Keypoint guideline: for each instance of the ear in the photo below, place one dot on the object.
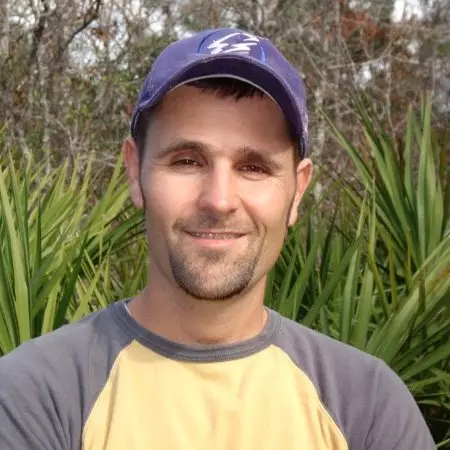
(304, 174)
(132, 165)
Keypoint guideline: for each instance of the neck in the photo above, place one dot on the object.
(172, 314)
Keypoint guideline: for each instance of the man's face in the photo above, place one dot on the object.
(219, 186)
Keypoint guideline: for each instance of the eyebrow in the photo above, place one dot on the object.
(180, 145)
(255, 155)
(246, 152)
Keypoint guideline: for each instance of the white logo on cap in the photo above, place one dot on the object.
(244, 47)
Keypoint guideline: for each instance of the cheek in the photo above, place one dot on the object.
(272, 218)
(270, 208)
(271, 200)
(166, 201)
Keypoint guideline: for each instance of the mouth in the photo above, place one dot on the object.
(215, 235)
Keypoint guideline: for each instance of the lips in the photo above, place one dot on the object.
(214, 235)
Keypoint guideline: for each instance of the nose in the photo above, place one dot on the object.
(218, 192)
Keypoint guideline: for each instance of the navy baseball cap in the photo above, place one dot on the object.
(233, 53)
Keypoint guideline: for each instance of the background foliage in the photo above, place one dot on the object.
(70, 70)
(369, 261)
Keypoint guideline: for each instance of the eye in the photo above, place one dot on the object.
(185, 162)
(253, 168)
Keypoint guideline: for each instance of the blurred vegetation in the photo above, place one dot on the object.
(70, 70)
(375, 273)
(63, 255)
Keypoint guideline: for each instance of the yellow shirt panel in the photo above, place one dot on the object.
(263, 401)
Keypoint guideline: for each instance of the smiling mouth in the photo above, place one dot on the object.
(215, 235)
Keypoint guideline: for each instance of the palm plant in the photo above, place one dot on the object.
(381, 283)
(57, 247)
(406, 320)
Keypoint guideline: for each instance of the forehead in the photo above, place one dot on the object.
(225, 121)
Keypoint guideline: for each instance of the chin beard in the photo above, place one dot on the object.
(202, 281)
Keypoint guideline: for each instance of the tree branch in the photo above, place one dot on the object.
(92, 14)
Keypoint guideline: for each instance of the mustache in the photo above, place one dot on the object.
(209, 222)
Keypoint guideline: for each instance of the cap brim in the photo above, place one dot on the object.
(239, 67)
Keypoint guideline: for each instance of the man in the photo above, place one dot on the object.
(217, 158)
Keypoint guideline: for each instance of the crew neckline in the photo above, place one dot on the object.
(195, 352)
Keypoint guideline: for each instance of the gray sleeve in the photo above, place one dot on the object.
(397, 423)
(49, 384)
(367, 400)
(32, 415)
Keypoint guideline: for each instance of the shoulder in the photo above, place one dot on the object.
(321, 356)
(71, 361)
(361, 392)
(65, 347)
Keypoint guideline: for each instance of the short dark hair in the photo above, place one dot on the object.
(223, 87)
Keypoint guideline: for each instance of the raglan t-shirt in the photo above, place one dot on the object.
(107, 383)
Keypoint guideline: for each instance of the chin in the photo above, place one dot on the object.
(213, 295)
